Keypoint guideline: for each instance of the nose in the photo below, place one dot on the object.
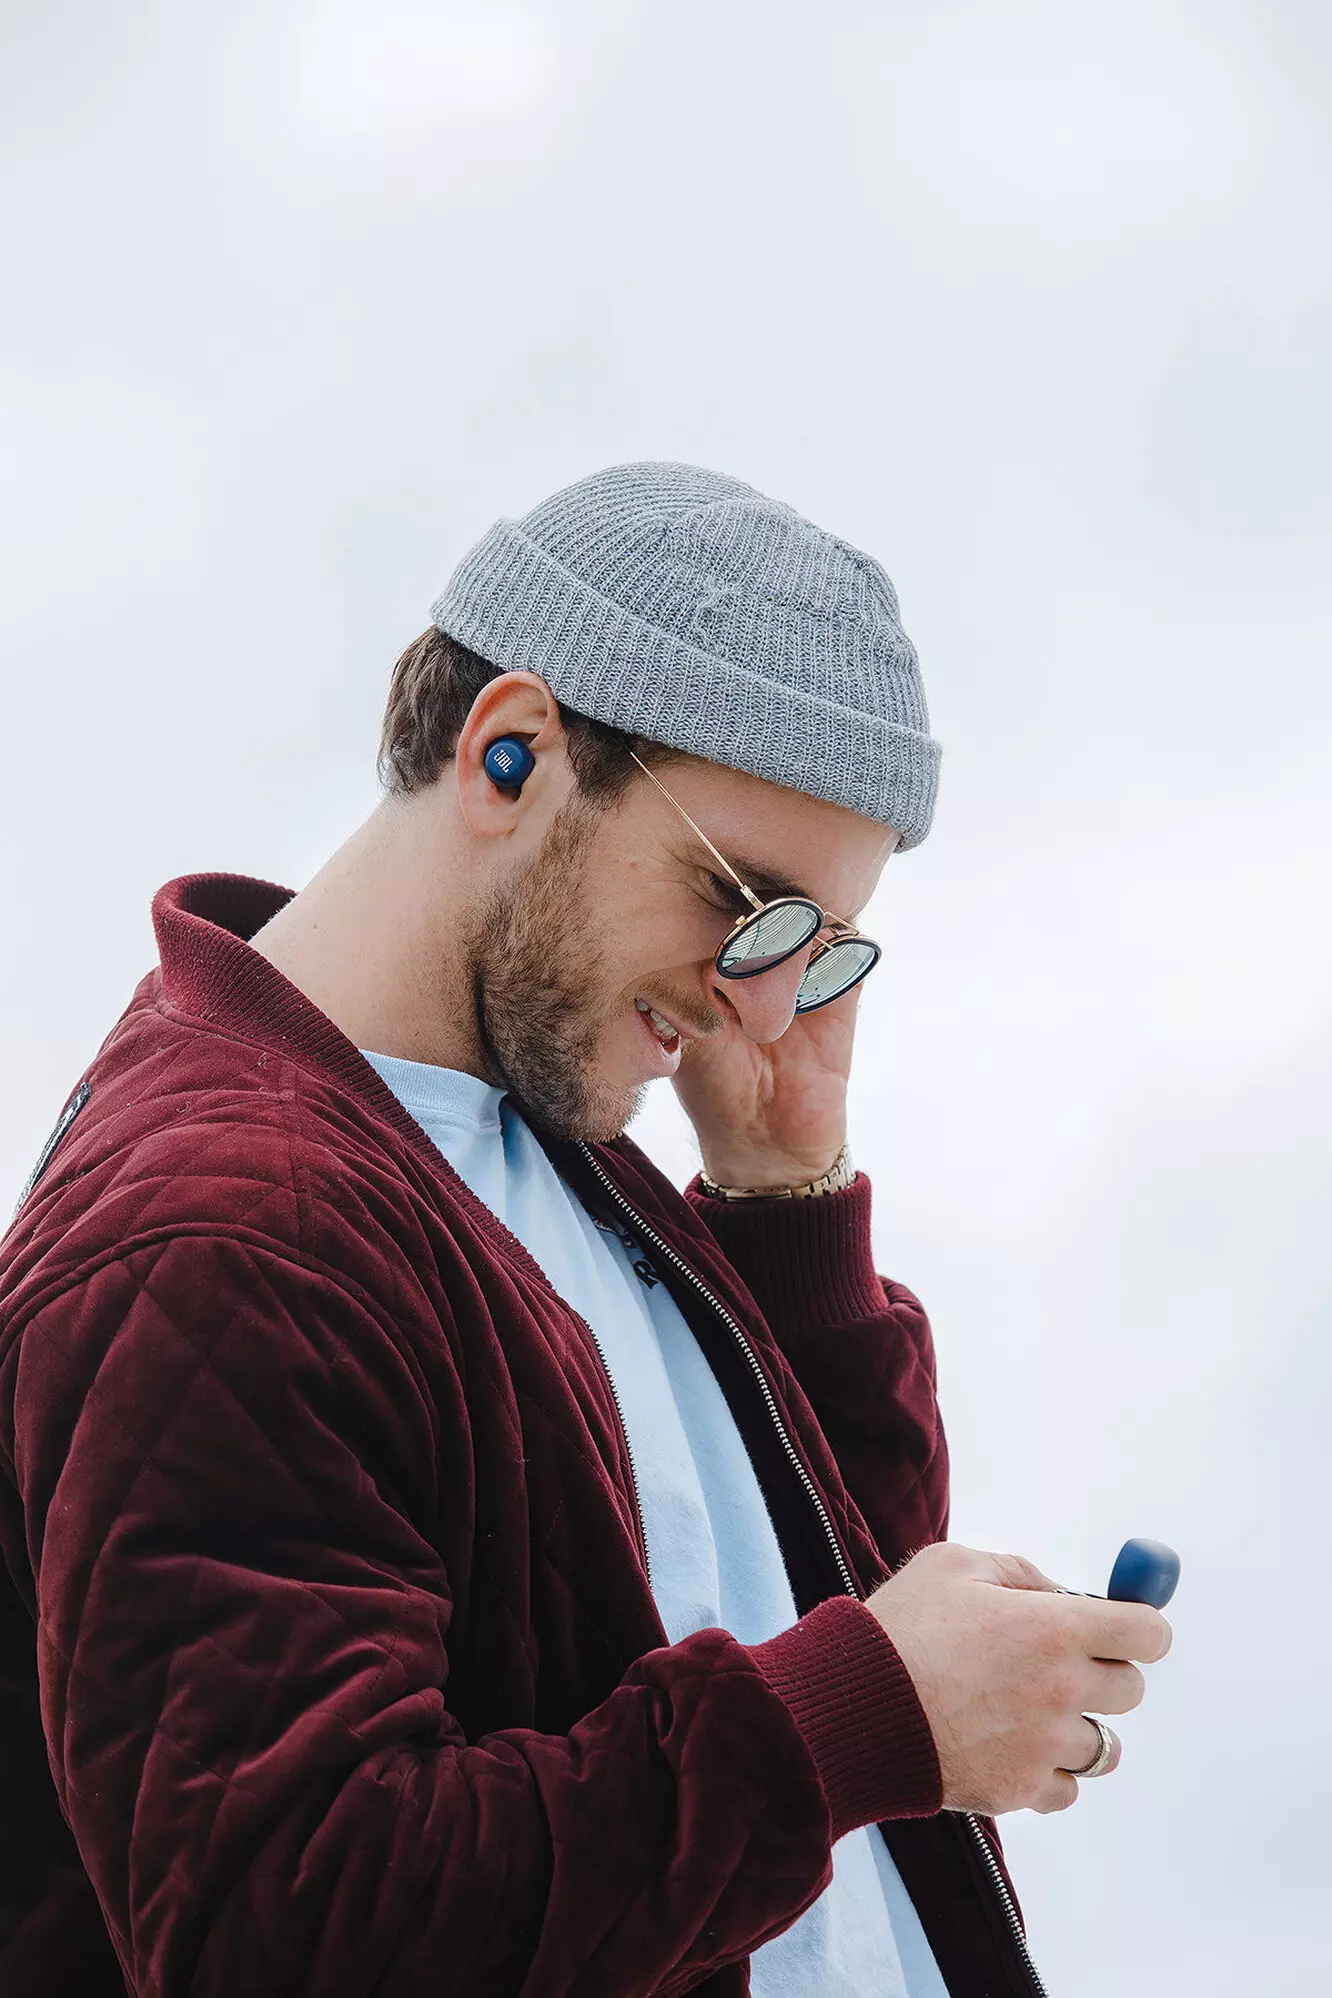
(765, 1005)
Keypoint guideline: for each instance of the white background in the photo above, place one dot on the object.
(1033, 302)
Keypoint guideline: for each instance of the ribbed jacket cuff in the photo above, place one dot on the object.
(804, 1261)
(852, 1699)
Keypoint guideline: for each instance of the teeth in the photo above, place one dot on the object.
(665, 1031)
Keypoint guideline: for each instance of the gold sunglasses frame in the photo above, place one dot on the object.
(846, 932)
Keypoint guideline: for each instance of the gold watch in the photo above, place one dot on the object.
(840, 1173)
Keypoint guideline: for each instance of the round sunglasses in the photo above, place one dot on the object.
(777, 929)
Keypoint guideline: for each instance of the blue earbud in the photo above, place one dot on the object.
(1146, 1572)
(509, 763)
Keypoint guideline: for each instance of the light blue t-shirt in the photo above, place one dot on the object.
(712, 1550)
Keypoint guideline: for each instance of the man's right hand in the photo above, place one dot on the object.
(1005, 1665)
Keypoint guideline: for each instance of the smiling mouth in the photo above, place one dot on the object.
(666, 1033)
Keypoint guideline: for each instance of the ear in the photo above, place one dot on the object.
(521, 705)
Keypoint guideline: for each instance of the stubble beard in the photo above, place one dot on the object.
(536, 962)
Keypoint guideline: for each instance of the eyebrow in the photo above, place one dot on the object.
(764, 884)
(768, 886)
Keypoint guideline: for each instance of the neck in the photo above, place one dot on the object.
(374, 940)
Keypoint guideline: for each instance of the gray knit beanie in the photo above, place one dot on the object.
(683, 606)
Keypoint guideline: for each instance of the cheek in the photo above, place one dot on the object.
(638, 920)
(671, 934)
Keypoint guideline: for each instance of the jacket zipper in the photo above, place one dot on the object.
(1000, 1885)
(628, 1449)
(664, 1249)
(983, 1848)
(77, 1102)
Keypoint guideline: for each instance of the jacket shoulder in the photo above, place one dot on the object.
(186, 1129)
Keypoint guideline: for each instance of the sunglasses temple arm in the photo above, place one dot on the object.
(748, 893)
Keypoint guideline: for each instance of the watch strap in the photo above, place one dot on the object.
(841, 1173)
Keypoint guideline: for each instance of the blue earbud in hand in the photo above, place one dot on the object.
(509, 763)
(1146, 1571)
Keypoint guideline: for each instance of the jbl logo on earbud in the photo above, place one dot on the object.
(509, 762)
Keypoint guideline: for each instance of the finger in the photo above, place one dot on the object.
(1111, 1687)
(1057, 1794)
(1121, 1630)
(1083, 1739)
(1012, 1571)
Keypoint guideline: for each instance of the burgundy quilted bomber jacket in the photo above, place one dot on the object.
(324, 1599)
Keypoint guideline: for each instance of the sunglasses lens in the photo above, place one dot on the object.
(835, 971)
(767, 938)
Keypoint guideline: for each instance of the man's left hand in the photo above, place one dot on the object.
(771, 1114)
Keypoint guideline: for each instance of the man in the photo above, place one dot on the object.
(461, 1563)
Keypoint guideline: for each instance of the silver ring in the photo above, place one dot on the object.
(1105, 1751)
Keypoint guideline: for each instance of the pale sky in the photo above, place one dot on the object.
(1031, 301)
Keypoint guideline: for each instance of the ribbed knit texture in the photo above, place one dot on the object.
(853, 1700)
(810, 1262)
(684, 606)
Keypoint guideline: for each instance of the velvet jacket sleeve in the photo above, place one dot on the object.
(229, 1474)
(859, 1345)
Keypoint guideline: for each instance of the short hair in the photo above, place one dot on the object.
(434, 685)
